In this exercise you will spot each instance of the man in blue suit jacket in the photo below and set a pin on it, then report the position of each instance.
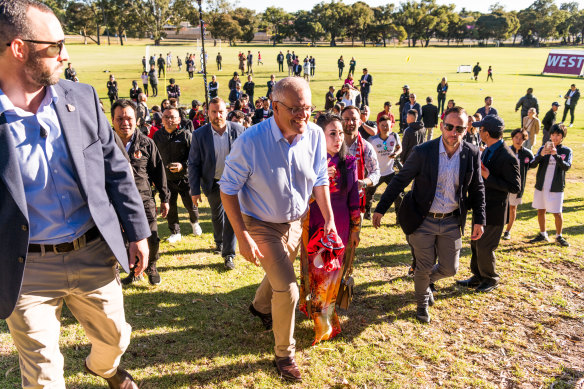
(210, 146)
(65, 187)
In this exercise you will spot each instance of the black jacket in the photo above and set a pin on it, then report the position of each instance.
(249, 88)
(575, 97)
(422, 167)
(525, 157)
(148, 167)
(430, 115)
(414, 135)
(329, 101)
(202, 157)
(173, 147)
(258, 115)
(549, 120)
(526, 102)
(563, 164)
(504, 178)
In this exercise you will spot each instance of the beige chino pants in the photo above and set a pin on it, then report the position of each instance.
(87, 281)
(278, 291)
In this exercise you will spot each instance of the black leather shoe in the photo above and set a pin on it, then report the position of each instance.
(131, 278)
(287, 368)
(422, 315)
(229, 264)
(153, 275)
(433, 288)
(487, 286)
(266, 318)
(121, 380)
(472, 282)
(218, 248)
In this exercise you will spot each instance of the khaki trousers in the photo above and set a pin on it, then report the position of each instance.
(87, 280)
(278, 291)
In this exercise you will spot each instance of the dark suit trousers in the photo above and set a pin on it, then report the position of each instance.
(570, 108)
(176, 188)
(222, 230)
(365, 98)
(482, 260)
(153, 240)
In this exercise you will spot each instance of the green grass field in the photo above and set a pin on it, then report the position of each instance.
(194, 330)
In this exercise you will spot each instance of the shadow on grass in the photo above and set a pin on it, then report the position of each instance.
(568, 378)
(526, 210)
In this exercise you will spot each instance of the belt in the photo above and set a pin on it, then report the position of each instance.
(439, 215)
(66, 247)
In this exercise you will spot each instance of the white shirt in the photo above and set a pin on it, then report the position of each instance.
(385, 148)
(445, 199)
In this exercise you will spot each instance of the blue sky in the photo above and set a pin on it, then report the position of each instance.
(483, 6)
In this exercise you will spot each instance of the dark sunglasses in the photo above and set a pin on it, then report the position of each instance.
(54, 50)
(450, 127)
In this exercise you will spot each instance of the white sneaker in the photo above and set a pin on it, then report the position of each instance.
(174, 238)
(571, 125)
(197, 231)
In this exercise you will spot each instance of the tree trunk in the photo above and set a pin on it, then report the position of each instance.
(98, 39)
(427, 42)
(384, 45)
(121, 36)
(333, 43)
(414, 40)
(352, 40)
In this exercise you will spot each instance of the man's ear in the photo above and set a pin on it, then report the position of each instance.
(18, 49)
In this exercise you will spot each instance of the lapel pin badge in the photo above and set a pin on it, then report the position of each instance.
(70, 107)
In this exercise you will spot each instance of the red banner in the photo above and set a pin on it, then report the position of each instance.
(565, 62)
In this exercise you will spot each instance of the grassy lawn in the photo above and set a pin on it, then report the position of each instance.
(194, 330)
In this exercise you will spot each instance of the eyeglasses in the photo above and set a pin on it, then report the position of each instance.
(450, 127)
(54, 50)
(296, 110)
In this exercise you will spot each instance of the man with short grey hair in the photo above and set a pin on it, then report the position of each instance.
(273, 169)
(65, 188)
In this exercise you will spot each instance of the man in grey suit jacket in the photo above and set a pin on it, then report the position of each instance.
(65, 187)
(210, 146)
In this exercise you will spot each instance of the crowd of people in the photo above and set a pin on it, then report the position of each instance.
(279, 176)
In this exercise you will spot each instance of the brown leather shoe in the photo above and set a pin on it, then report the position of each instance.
(121, 380)
(287, 368)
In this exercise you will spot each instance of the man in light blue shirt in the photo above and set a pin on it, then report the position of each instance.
(272, 171)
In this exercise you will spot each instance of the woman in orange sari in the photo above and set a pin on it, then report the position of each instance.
(344, 193)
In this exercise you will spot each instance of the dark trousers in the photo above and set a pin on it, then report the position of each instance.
(161, 70)
(218, 65)
(370, 192)
(312, 71)
(280, 66)
(176, 188)
(154, 89)
(153, 240)
(222, 230)
(570, 108)
(145, 89)
(364, 98)
(545, 136)
(441, 102)
(482, 260)
(340, 73)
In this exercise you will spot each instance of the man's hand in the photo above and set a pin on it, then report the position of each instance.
(329, 226)
(376, 219)
(175, 167)
(139, 256)
(196, 199)
(477, 232)
(249, 249)
(164, 207)
(484, 172)
(354, 238)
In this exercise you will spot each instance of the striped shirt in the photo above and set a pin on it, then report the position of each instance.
(446, 199)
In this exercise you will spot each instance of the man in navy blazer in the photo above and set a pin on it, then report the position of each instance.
(65, 188)
(210, 146)
(447, 182)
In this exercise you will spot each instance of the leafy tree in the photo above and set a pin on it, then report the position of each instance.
(248, 22)
(384, 27)
(332, 17)
(79, 19)
(278, 23)
(411, 16)
(306, 26)
(359, 21)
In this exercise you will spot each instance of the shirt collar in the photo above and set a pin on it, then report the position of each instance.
(277, 133)
(495, 145)
(442, 149)
(224, 132)
(50, 97)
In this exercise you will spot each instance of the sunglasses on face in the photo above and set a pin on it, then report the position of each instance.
(450, 127)
(54, 50)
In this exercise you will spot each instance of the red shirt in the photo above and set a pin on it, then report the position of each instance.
(391, 117)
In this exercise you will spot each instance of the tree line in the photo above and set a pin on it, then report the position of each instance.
(416, 22)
